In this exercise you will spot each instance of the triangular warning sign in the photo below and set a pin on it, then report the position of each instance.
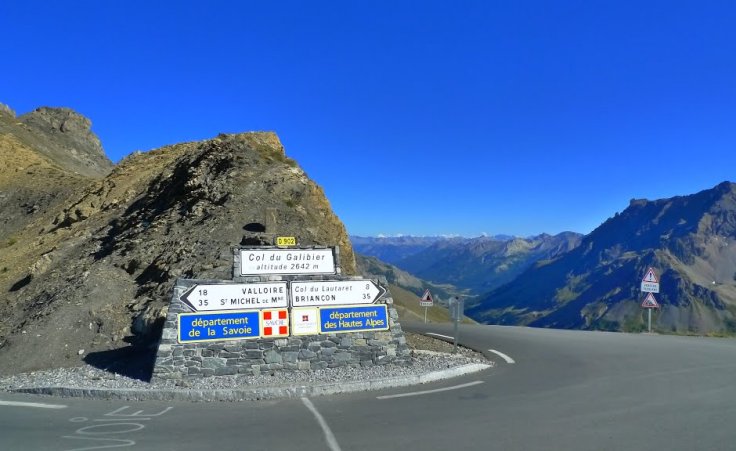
(650, 276)
(427, 297)
(650, 302)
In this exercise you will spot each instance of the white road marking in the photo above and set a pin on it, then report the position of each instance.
(426, 392)
(32, 404)
(329, 436)
(503, 356)
(440, 335)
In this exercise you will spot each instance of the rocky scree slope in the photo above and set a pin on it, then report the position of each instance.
(97, 274)
(689, 240)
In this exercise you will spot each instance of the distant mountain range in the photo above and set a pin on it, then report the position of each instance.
(593, 282)
(476, 264)
(373, 267)
(393, 249)
(690, 241)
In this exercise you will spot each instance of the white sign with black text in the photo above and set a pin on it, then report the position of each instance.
(334, 292)
(286, 261)
(237, 296)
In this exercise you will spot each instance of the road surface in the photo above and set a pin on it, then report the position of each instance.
(549, 390)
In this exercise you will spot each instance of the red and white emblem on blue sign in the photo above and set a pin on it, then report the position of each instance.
(275, 323)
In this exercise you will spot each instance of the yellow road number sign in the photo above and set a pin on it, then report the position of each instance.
(285, 241)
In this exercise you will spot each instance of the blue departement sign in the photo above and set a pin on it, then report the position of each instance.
(353, 319)
(194, 327)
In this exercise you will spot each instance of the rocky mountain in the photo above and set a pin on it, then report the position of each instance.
(92, 268)
(45, 156)
(60, 134)
(689, 240)
(484, 263)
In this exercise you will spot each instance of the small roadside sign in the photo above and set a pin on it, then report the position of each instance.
(649, 302)
(285, 241)
(426, 299)
(650, 282)
(650, 287)
(650, 276)
(456, 309)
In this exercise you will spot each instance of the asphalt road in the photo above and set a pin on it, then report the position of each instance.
(566, 390)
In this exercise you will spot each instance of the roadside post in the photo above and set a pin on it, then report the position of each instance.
(650, 285)
(426, 301)
(456, 314)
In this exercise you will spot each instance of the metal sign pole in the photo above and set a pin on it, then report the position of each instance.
(649, 311)
(456, 316)
(425, 315)
(454, 345)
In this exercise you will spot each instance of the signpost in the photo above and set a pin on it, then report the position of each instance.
(234, 311)
(236, 296)
(277, 291)
(334, 292)
(426, 301)
(456, 314)
(650, 285)
(285, 261)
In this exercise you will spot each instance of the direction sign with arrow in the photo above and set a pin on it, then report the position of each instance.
(334, 292)
(236, 296)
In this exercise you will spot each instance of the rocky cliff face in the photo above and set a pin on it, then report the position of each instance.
(41, 166)
(689, 240)
(96, 272)
(62, 135)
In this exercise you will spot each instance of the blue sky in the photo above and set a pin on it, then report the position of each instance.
(421, 117)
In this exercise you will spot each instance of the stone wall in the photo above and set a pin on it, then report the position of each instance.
(176, 360)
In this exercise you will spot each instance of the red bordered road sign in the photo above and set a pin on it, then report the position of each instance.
(650, 302)
(650, 276)
(426, 299)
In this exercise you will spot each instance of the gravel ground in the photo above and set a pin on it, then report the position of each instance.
(428, 354)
